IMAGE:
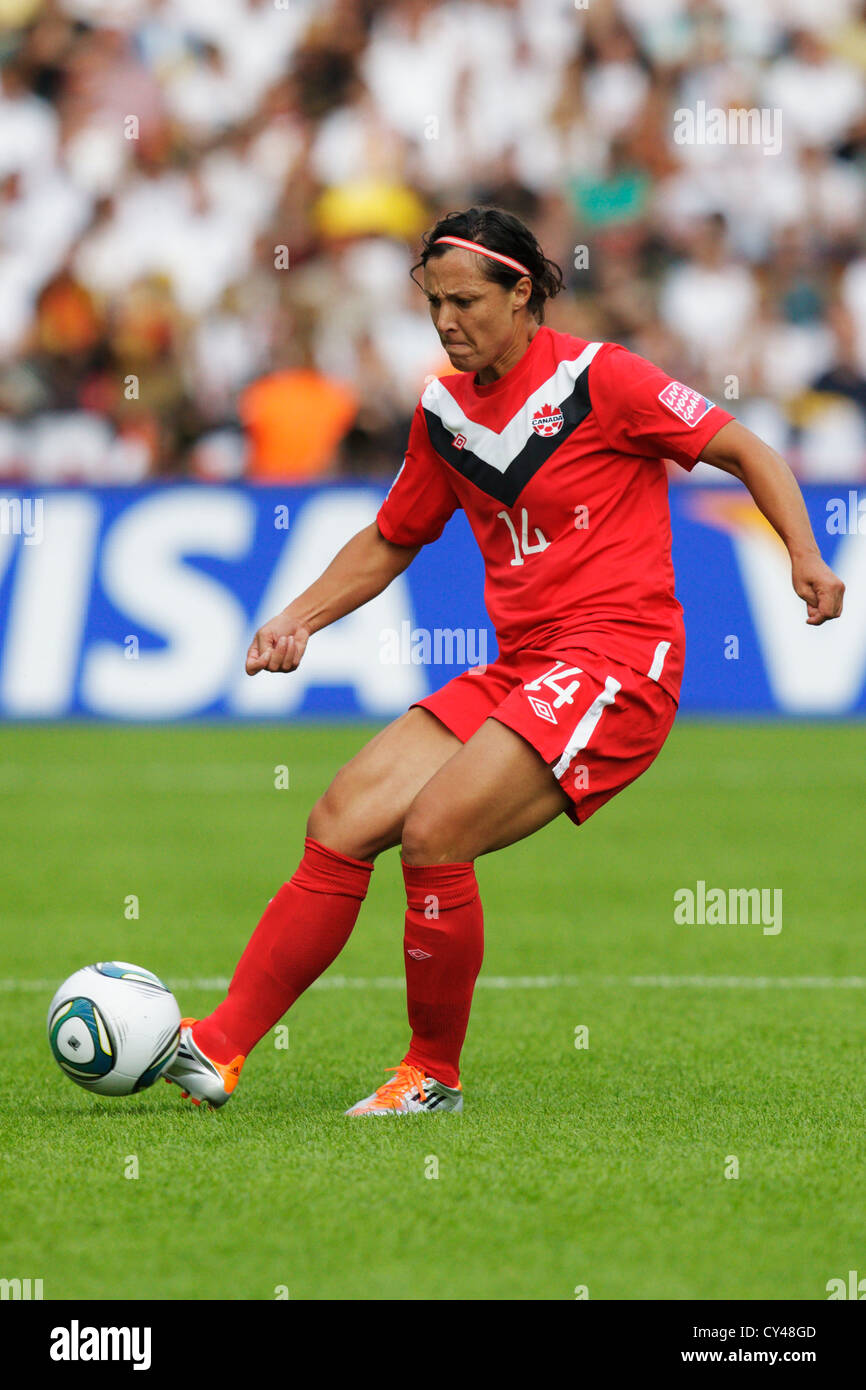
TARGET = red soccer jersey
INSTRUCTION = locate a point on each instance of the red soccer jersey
(559, 468)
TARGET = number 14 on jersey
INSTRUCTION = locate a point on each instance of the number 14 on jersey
(522, 544)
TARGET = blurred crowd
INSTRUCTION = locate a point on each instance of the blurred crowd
(208, 213)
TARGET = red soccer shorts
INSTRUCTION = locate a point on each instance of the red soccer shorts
(597, 724)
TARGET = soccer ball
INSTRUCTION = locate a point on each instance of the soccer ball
(113, 1028)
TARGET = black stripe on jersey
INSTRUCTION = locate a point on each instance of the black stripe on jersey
(506, 487)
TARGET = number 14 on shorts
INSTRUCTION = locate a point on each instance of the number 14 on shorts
(553, 678)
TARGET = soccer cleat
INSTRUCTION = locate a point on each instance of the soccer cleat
(200, 1078)
(408, 1092)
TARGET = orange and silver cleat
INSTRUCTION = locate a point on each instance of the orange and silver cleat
(200, 1078)
(408, 1092)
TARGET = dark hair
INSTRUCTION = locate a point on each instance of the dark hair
(501, 231)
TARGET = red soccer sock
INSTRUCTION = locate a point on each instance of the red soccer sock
(303, 929)
(443, 950)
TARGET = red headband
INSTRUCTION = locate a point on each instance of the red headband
(483, 251)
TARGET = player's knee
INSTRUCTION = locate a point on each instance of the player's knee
(327, 819)
(427, 837)
(342, 820)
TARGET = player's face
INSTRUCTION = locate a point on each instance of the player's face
(482, 326)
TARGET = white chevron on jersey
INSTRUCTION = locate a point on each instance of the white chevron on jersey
(500, 449)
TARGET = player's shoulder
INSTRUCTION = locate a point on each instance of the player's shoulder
(627, 383)
(565, 346)
(552, 347)
(608, 367)
(613, 357)
(616, 370)
(606, 363)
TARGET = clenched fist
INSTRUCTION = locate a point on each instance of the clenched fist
(278, 646)
(821, 589)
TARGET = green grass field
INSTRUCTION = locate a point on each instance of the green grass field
(601, 1167)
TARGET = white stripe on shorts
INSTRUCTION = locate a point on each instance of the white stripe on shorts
(583, 732)
(658, 660)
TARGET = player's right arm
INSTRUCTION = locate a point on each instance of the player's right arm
(419, 502)
(361, 570)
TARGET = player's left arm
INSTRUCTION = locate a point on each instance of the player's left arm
(765, 473)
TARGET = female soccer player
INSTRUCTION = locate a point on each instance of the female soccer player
(554, 449)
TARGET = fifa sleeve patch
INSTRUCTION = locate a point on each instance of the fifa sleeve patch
(687, 404)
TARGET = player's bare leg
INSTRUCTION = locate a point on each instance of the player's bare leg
(495, 790)
(307, 923)
(363, 810)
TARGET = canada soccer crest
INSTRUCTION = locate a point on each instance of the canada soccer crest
(547, 421)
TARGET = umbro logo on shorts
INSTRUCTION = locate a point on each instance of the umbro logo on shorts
(542, 709)
(417, 954)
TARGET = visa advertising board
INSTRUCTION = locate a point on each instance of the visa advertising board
(139, 604)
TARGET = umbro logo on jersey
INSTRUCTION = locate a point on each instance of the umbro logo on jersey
(548, 420)
(542, 709)
(459, 441)
(417, 954)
